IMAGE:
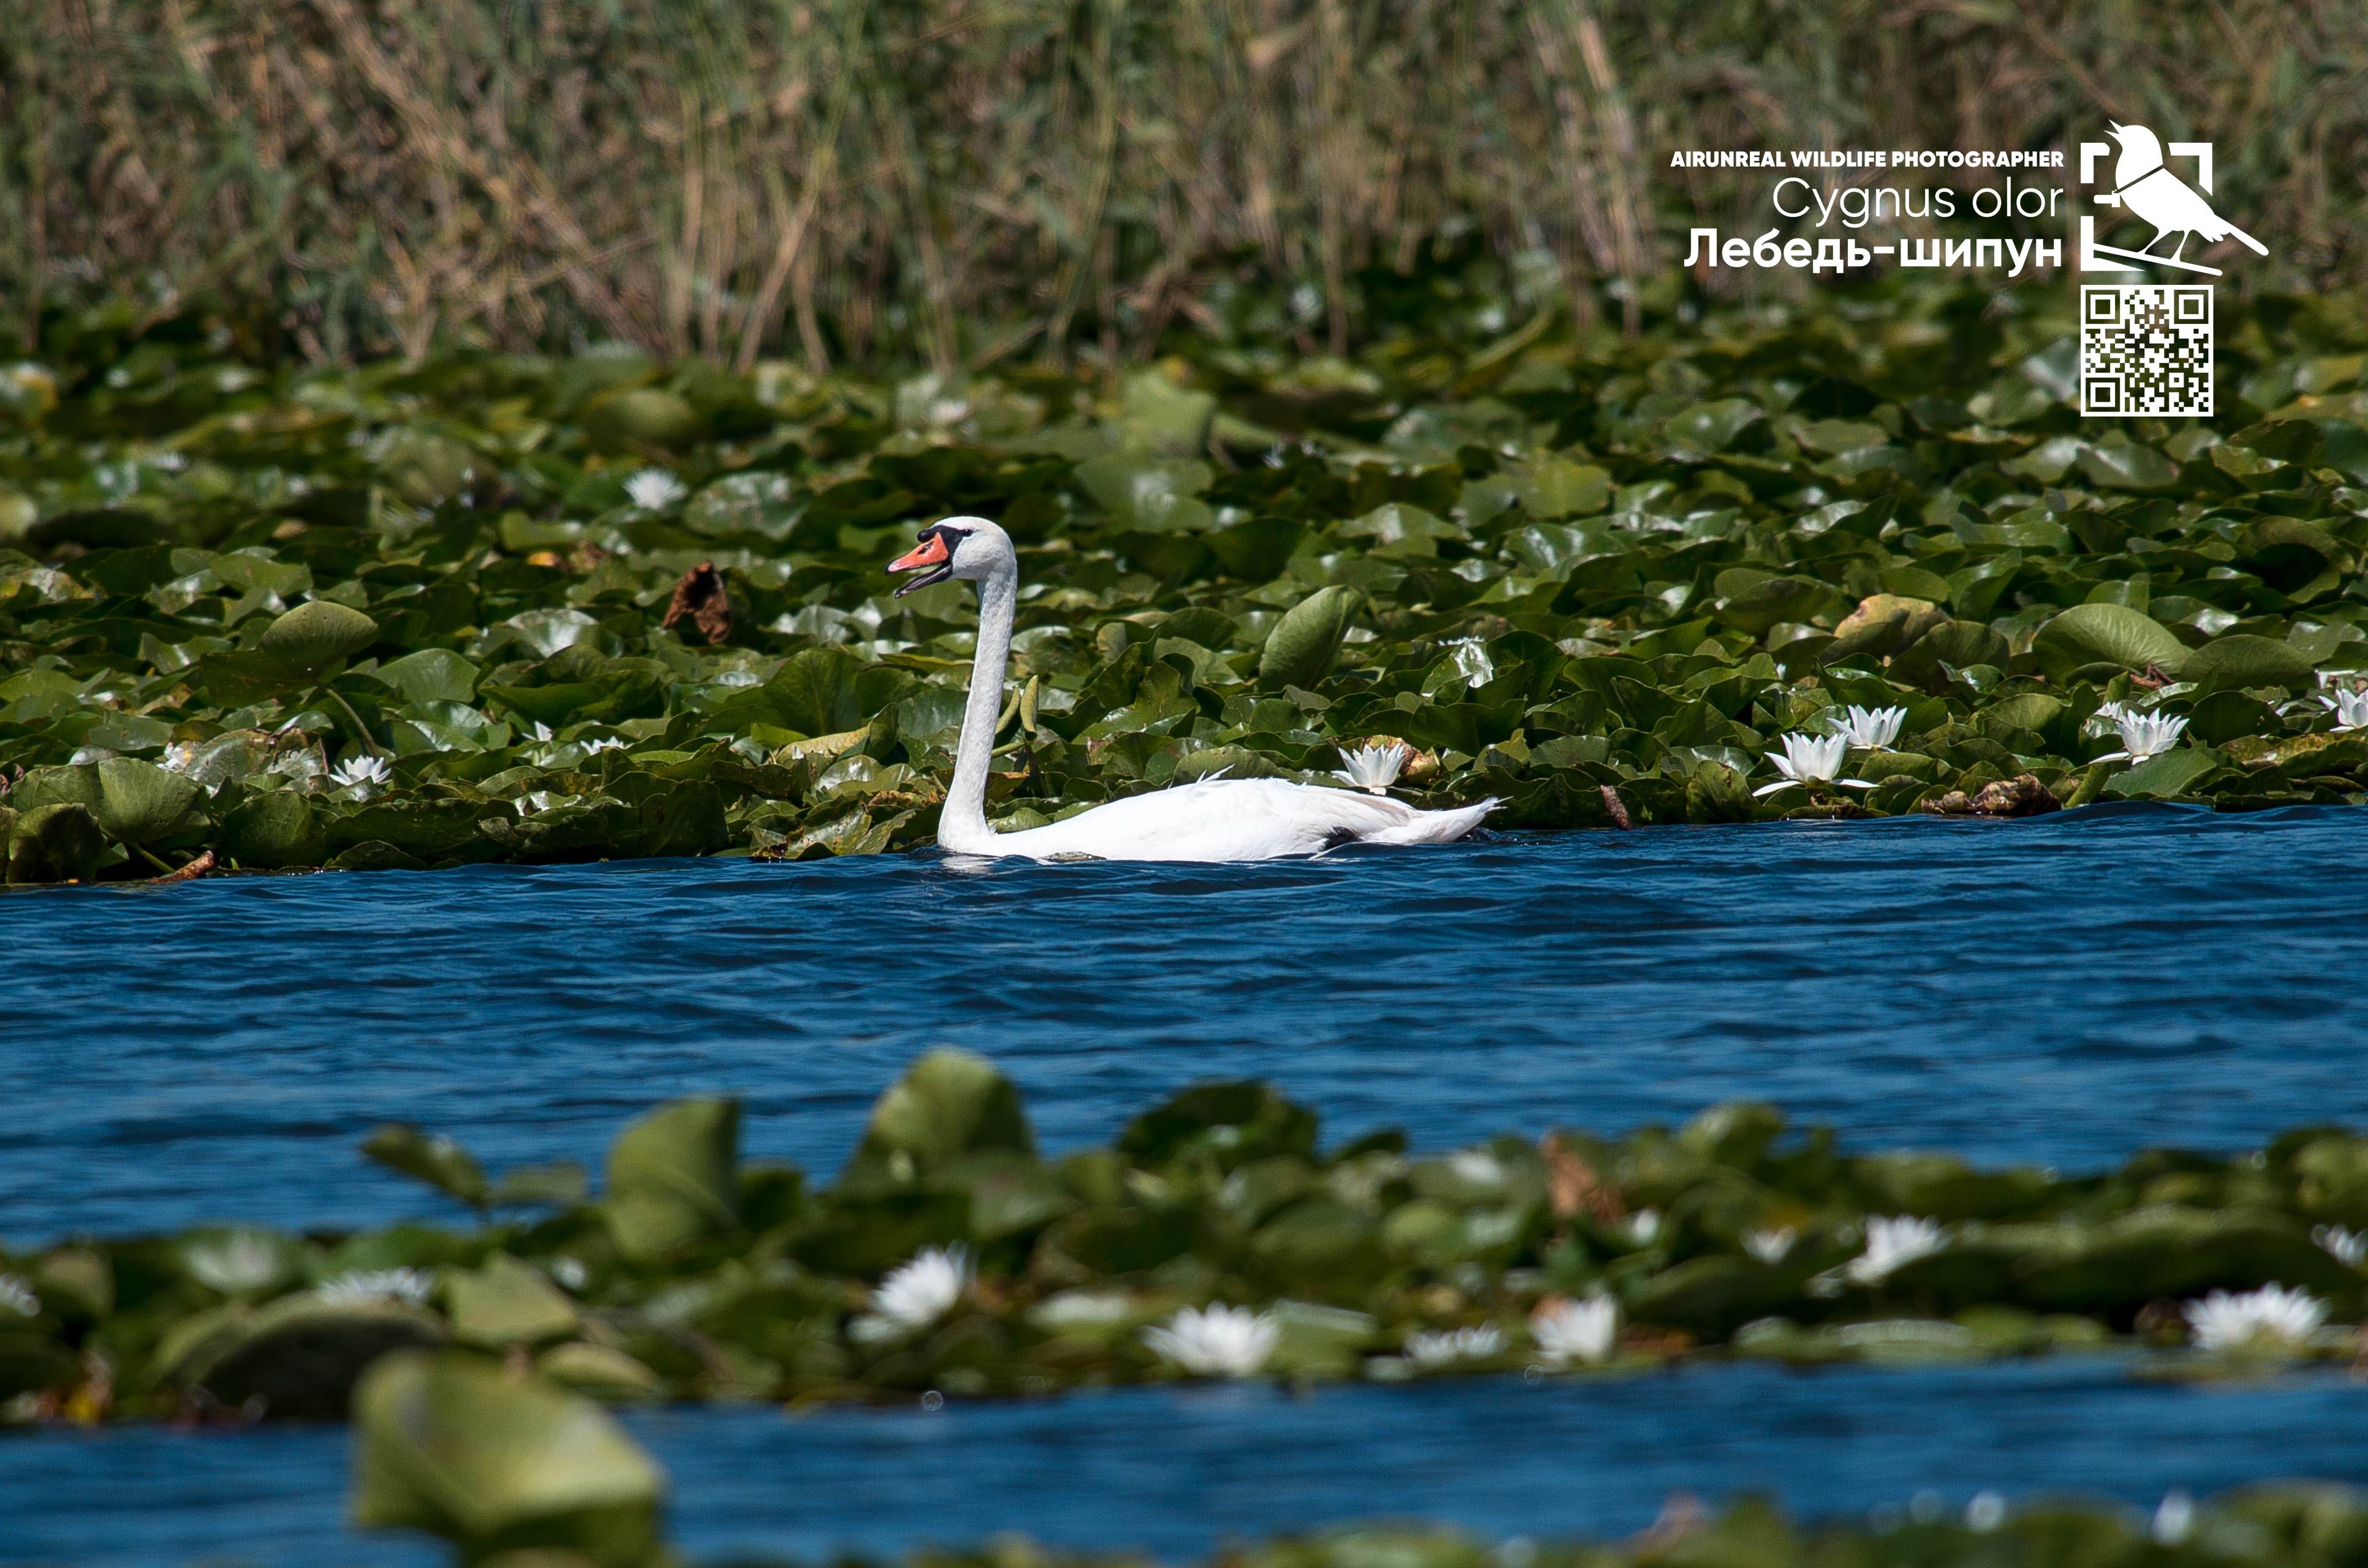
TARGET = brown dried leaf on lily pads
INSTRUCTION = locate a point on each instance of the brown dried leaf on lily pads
(1572, 1184)
(699, 599)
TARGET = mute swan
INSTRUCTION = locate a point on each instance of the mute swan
(1213, 819)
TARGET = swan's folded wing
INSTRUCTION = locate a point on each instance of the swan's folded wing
(1240, 819)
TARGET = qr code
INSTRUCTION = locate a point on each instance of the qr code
(2146, 348)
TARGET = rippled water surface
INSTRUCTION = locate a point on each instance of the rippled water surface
(1177, 1473)
(2064, 990)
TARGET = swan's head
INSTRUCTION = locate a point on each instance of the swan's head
(965, 548)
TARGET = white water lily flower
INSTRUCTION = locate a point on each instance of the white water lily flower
(2174, 1518)
(1892, 1241)
(1810, 759)
(2350, 708)
(918, 1292)
(1215, 1342)
(2266, 1318)
(1772, 1244)
(1372, 769)
(654, 489)
(376, 1287)
(362, 775)
(2145, 735)
(1645, 1227)
(1477, 1166)
(1870, 729)
(1471, 661)
(606, 742)
(2349, 1248)
(1431, 1350)
(1576, 1330)
(17, 1297)
(180, 756)
(1985, 1511)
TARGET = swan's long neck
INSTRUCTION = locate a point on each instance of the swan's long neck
(961, 827)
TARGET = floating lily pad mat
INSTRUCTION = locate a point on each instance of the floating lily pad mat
(2061, 991)
(1211, 1239)
(1178, 1473)
(509, 607)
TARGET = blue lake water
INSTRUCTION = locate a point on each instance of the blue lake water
(2063, 991)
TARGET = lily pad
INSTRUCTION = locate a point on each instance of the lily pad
(2105, 637)
(140, 803)
(311, 637)
(1304, 645)
(452, 1444)
(949, 1106)
(2240, 659)
(673, 1178)
(57, 843)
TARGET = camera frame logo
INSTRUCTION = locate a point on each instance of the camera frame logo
(2146, 348)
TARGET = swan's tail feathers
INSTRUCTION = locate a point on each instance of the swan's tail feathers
(1434, 827)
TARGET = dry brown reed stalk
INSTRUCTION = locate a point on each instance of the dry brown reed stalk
(946, 182)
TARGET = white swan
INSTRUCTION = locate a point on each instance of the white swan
(1214, 819)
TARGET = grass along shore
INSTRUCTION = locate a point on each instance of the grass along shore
(841, 183)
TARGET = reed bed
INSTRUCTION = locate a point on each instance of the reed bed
(955, 183)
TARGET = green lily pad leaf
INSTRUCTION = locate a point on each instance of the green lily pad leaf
(1753, 602)
(1230, 1124)
(311, 637)
(2240, 659)
(300, 1357)
(1211, 629)
(1557, 487)
(554, 705)
(1173, 419)
(2030, 710)
(57, 843)
(561, 1182)
(2128, 466)
(141, 803)
(1147, 494)
(2172, 1252)
(673, 1178)
(818, 692)
(2227, 716)
(948, 1105)
(273, 829)
(1256, 549)
(2164, 777)
(1713, 1297)
(1301, 649)
(432, 675)
(639, 416)
(598, 1370)
(1712, 426)
(505, 1303)
(2111, 636)
(433, 1158)
(452, 1445)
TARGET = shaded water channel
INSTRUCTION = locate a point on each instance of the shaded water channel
(2065, 991)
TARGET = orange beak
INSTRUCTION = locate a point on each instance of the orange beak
(931, 553)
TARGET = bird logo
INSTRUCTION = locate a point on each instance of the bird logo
(2144, 186)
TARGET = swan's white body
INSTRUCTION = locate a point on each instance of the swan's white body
(1214, 819)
